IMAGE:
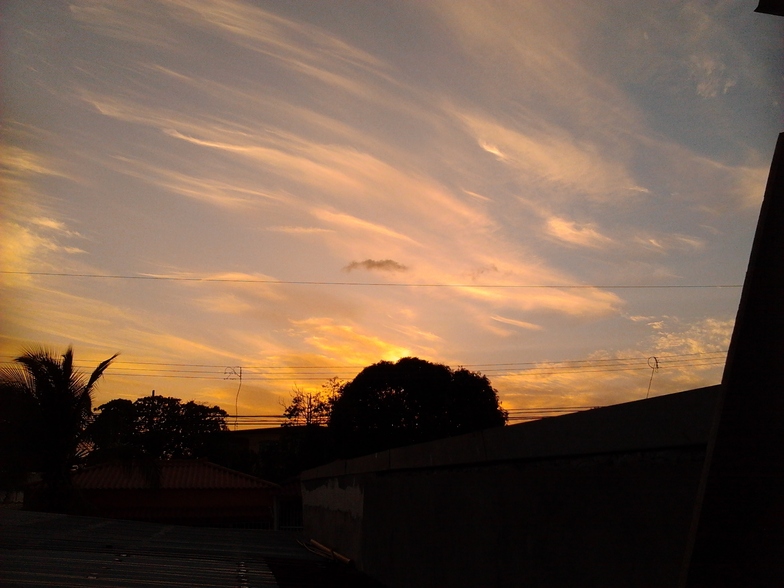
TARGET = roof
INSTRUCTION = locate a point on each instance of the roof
(668, 421)
(179, 474)
(44, 549)
(261, 434)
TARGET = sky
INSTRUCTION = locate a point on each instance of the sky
(559, 195)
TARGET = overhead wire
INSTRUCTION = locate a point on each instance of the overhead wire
(487, 365)
(259, 373)
(498, 370)
(272, 373)
(343, 283)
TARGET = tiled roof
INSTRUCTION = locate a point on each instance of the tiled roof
(174, 474)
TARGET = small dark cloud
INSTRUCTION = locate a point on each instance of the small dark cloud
(383, 265)
(480, 271)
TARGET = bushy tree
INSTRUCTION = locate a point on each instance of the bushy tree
(312, 408)
(46, 407)
(156, 427)
(306, 442)
(113, 426)
(392, 404)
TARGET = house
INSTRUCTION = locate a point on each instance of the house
(185, 492)
(261, 439)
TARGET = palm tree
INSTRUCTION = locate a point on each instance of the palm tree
(46, 406)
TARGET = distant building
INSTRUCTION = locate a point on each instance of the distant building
(185, 492)
(260, 440)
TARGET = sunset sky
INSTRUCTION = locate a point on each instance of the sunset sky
(550, 193)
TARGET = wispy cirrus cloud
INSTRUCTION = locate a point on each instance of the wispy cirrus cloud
(127, 22)
(294, 46)
(25, 247)
(274, 34)
(299, 230)
(237, 192)
(360, 226)
(549, 154)
(31, 239)
(17, 161)
(572, 233)
(517, 323)
(665, 243)
(351, 176)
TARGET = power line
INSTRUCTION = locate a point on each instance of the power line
(522, 372)
(300, 372)
(597, 360)
(499, 371)
(673, 357)
(320, 367)
(387, 284)
(513, 415)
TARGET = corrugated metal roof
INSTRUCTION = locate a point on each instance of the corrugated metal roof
(43, 549)
(181, 474)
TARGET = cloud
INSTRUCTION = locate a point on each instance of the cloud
(690, 354)
(482, 271)
(295, 46)
(597, 381)
(709, 335)
(492, 149)
(572, 233)
(516, 323)
(382, 265)
(414, 334)
(478, 196)
(282, 154)
(552, 156)
(33, 247)
(127, 22)
(709, 75)
(225, 302)
(21, 162)
(229, 193)
(665, 243)
(710, 186)
(639, 318)
(53, 224)
(351, 223)
(344, 341)
(299, 230)
(272, 34)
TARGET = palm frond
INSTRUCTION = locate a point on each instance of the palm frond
(66, 366)
(54, 400)
(98, 372)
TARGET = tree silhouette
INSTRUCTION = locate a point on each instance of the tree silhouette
(156, 427)
(113, 431)
(312, 408)
(46, 407)
(411, 401)
(305, 441)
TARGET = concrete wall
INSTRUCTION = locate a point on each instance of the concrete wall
(600, 498)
